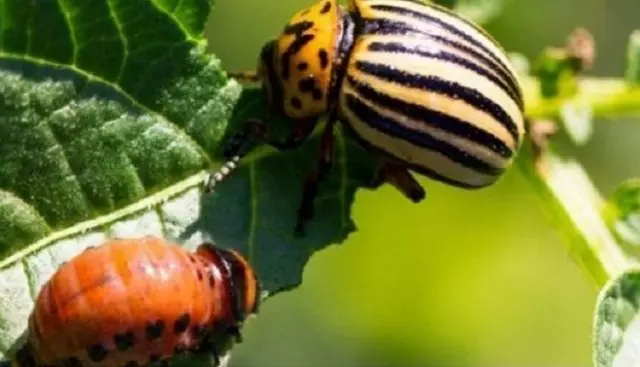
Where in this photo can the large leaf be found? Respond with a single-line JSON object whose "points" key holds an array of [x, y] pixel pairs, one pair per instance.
{"points": [[110, 116]]}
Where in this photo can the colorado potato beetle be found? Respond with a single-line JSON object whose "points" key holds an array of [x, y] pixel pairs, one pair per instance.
{"points": [[423, 88], [132, 302]]}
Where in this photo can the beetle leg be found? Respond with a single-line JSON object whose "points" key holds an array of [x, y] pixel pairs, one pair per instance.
{"points": [[256, 131], [310, 188], [399, 176]]}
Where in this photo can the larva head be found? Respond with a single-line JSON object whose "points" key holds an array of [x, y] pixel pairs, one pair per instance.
{"points": [[297, 68], [243, 284]]}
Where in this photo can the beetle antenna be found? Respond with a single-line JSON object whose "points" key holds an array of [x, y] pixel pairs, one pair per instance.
{"points": [[246, 75], [219, 175]]}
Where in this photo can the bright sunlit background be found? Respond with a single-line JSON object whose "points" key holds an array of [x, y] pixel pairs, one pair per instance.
{"points": [[467, 278]]}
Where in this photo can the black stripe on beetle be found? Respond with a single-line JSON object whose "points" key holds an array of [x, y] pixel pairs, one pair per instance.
{"points": [[414, 167], [393, 27], [391, 127], [450, 89], [433, 118], [449, 27], [396, 47]]}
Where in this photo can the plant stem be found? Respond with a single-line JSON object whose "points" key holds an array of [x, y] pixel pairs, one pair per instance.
{"points": [[609, 97], [565, 187]]}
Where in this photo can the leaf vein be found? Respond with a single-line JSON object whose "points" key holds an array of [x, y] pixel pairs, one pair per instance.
{"points": [[31, 282], [109, 84], [175, 20], [74, 175], [67, 18]]}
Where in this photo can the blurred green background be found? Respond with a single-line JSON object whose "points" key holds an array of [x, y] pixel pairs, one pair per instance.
{"points": [[467, 278]]}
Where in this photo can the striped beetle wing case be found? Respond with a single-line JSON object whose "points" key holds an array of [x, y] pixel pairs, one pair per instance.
{"points": [[421, 87], [430, 89]]}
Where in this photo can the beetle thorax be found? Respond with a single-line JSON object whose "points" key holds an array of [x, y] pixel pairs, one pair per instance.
{"points": [[304, 61]]}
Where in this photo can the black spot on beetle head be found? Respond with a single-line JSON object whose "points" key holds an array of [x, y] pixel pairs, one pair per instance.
{"points": [[307, 84], [296, 103], [326, 8], [324, 58]]}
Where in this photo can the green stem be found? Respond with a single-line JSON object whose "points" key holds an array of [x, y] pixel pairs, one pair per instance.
{"points": [[565, 187], [609, 97]]}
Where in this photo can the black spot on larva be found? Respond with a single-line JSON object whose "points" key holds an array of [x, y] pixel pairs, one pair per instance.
{"points": [[192, 258], [302, 66], [324, 58], [72, 362], [154, 330], [212, 281], [199, 331], [131, 364], [317, 94], [296, 103], [180, 348], [124, 341], [182, 323], [326, 7], [199, 274], [97, 353], [153, 358]]}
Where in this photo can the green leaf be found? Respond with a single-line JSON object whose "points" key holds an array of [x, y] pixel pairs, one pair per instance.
{"points": [[617, 322], [624, 214], [111, 115]]}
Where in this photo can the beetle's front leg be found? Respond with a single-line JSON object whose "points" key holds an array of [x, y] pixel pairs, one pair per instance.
{"points": [[313, 180], [255, 131]]}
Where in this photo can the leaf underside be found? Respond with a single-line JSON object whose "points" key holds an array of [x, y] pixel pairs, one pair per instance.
{"points": [[110, 116], [617, 322]]}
